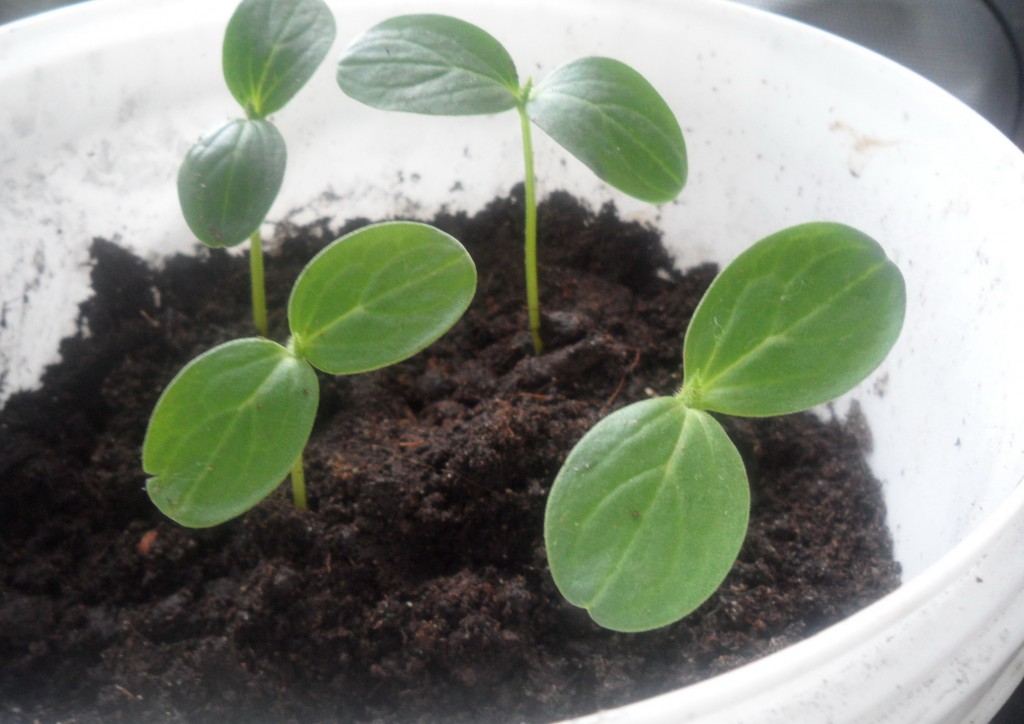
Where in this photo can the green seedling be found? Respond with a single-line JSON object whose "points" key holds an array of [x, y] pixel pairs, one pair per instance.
{"points": [[231, 176], [600, 110], [648, 513], [232, 424]]}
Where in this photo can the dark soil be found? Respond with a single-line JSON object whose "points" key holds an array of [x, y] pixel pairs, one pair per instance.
{"points": [[416, 588]]}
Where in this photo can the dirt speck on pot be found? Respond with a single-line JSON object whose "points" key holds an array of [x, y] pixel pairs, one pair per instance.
{"points": [[416, 589]]}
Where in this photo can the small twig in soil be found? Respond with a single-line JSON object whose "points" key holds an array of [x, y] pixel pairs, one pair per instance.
{"points": [[622, 383]]}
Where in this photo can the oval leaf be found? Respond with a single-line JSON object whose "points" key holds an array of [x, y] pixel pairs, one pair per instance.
{"points": [[379, 295], [229, 181], [796, 320], [272, 48], [609, 117], [647, 515], [430, 64], [227, 430]]}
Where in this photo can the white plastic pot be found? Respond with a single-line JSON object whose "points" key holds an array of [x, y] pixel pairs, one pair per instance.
{"points": [[784, 124]]}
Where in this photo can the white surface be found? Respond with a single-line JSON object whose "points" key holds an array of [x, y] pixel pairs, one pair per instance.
{"points": [[783, 125]]}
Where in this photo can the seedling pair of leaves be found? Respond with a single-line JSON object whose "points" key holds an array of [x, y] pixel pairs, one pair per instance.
{"points": [[649, 511], [232, 175], [600, 110], [235, 420]]}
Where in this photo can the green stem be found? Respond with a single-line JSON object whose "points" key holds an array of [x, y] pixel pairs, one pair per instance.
{"points": [[259, 297], [532, 293], [299, 484], [688, 392]]}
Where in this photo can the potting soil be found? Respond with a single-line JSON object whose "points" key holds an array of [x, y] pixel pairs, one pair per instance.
{"points": [[416, 588]]}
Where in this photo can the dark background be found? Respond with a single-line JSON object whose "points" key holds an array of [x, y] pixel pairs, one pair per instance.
{"points": [[973, 48]]}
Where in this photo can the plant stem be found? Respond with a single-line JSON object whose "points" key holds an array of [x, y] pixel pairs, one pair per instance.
{"points": [[532, 294], [259, 297], [299, 484]]}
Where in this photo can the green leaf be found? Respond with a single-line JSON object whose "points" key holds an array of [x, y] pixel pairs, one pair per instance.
{"points": [[272, 48], [796, 320], [430, 64], [379, 295], [649, 512], [647, 515], [610, 117], [229, 181], [227, 430]]}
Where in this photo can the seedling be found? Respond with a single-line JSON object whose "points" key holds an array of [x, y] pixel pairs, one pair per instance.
{"points": [[648, 513], [226, 185], [600, 110], [231, 176], [236, 419]]}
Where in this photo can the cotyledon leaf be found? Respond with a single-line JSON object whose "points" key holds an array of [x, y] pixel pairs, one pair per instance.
{"points": [[272, 48], [379, 295], [794, 321], [229, 180], [647, 515], [227, 430], [432, 64], [611, 118]]}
